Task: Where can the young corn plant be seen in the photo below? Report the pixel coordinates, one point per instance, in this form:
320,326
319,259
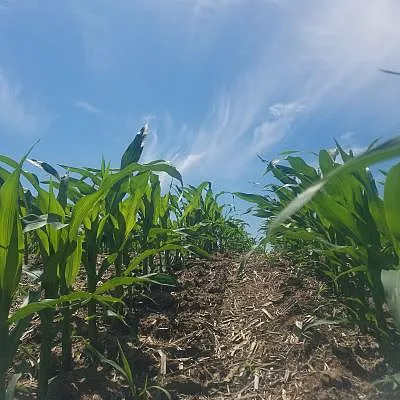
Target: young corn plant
72,219
11,247
210,224
337,212
125,370
61,248
11,254
112,221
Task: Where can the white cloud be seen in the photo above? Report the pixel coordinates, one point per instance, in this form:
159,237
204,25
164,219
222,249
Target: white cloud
110,30
275,128
87,107
319,54
95,30
347,136
190,161
324,53
227,141
15,112
344,44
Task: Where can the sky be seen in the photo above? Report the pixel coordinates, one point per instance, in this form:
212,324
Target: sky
218,81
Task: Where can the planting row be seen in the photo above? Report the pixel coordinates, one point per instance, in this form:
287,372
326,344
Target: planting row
65,224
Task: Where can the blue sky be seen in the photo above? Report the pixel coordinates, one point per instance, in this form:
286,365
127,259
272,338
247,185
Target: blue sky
218,81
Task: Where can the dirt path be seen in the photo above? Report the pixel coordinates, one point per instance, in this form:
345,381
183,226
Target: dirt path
225,337
236,338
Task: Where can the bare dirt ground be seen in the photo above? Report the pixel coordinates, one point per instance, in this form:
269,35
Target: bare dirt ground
217,336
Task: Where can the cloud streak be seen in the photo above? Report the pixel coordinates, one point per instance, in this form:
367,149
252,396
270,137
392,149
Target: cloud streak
87,107
323,54
319,55
16,115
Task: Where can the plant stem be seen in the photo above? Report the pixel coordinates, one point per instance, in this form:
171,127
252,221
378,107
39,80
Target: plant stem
66,324
119,291
66,341
91,264
46,318
26,249
4,359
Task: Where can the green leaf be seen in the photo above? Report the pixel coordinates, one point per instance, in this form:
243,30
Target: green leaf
157,278
45,166
161,279
32,222
120,281
63,189
105,299
11,240
126,366
384,152
325,162
85,173
199,251
81,210
73,262
82,186
295,205
391,285
105,360
134,151
391,205
167,168
147,253
299,165
160,389
361,268
261,201
33,308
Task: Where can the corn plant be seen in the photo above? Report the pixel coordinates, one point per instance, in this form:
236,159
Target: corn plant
11,253
70,220
61,248
11,242
125,370
211,225
337,212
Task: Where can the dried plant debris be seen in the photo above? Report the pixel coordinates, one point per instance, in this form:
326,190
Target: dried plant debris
217,336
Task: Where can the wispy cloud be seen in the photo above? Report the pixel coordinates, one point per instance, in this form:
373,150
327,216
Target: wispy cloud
228,139
16,114
191,161
94,28
347,136
321,54
87,107
324,54
275,127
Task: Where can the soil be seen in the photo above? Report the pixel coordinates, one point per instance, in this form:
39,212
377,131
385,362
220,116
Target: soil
218,335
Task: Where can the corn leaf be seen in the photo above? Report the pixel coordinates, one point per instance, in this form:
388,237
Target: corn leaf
391,205
391,285
386,151
11,240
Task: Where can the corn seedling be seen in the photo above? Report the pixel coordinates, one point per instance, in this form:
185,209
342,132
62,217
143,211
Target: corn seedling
67,221
337,214
125,370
